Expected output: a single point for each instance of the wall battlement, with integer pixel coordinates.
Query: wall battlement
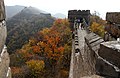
(79, 12)
(72, 14)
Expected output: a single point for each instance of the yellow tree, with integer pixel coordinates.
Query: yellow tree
(36, 68)
(97, 28)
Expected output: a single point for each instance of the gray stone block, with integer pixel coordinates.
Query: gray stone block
(111, 52)
(105, 69)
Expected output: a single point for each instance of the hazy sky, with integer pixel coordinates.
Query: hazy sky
(62, 6)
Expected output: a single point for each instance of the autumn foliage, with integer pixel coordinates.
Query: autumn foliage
(98, 28)
(97, 24)
(36, 68)
(47, 53)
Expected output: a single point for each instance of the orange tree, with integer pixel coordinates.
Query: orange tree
(50, 42)
(54, 43)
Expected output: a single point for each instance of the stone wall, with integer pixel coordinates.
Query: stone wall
(5, 71)
(92, 42)
(2, 25)
(105, 56)
(3, 34)
(109, 51)
(96, 57)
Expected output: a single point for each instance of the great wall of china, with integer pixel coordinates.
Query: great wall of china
(96, 58)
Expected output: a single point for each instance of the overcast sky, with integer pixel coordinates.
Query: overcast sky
(62, 6)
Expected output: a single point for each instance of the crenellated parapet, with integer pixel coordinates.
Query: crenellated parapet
(75, 12)
(5, 71)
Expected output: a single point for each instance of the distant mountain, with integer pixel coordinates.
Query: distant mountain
(24, 25)
(13, 10)
(59, 15)
(33, 10)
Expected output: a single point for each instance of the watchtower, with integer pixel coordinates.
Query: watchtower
(78, 14)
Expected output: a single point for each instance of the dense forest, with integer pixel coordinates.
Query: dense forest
(46, 54)
(24, 25)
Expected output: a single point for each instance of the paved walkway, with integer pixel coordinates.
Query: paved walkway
(77, 65)
(79, 60)
(80, 64)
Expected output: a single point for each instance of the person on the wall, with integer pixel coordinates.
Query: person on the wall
(78, 21)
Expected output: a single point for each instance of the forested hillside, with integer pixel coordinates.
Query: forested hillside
(24, 25)
(46, 55)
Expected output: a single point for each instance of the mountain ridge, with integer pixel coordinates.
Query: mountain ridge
(13, 10)
(23, 25)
